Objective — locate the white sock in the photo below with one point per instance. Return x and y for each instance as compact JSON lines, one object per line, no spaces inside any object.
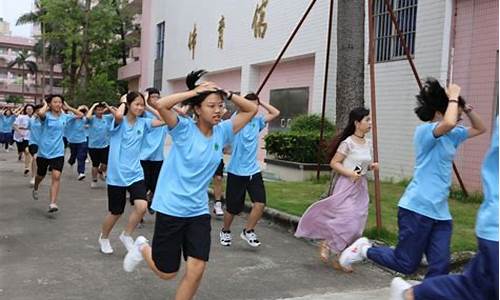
{"x":364,"y":250}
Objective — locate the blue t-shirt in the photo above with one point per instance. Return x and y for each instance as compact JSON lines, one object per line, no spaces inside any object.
{"x":7,"y":122}
{"x":35,"y":127}
{"x":189,"y":168}
{"x":51,"y":143}
{"x":124,"y":166}
{"x":99,"y":131}
{"x":245,"y":148}
{"x":154,"y":141}
{"x":76,"y":131}
{"x":487,"y":218}
{"x":427,"y":193}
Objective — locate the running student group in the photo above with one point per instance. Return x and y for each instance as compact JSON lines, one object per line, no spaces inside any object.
{"x":126,"y":146}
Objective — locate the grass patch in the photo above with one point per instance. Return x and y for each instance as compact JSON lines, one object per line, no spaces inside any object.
{"x":295,"y":197}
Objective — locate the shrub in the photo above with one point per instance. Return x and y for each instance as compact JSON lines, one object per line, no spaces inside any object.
{"x":295,"y":146}
{"x":300,"y":143}
{"x":311,"y":123}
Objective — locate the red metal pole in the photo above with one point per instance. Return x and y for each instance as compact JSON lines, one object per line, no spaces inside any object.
{"x":325,"y":86}
{"x":371,"y":61}
{"x":286,"y":46}
{"x":417,"y":78}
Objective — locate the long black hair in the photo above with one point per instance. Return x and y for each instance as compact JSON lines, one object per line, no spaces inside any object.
{"x":26,"y":106}
{"x":433,"y":98}
{"x":131,"y":96}
{"x":191,"y":80}
{"x":356,"y":114}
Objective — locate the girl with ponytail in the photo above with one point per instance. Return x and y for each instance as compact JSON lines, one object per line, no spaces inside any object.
{"x":424,"y":218}
{"x":181,"y":201}
{"x":340,"y":219}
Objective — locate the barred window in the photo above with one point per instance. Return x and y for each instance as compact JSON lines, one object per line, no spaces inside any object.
{"x":160,"y":40}
{"x":387,"y":44}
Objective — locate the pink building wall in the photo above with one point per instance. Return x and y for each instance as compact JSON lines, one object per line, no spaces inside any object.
{"x":296,"y":73}
{"x":474,"y":69}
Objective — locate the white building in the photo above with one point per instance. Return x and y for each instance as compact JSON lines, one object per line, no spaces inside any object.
{"x":296,"y":85}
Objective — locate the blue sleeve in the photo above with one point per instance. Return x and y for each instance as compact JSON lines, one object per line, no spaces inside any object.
{"x":227,"y":131}
{"x":113,"y":127}
{"x":459,"y":134}
{"x":262,"y":122}
{"x":180,"y":131}
{"x":148,"y":124}
{"x":424,"y":136}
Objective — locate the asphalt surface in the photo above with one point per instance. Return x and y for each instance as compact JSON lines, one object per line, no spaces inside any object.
{"x":56,"y":256}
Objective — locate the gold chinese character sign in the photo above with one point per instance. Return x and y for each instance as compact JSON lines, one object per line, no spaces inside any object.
{"x":192,"y":41}
{"x":259,"y":24}
{"x":220,"y":29}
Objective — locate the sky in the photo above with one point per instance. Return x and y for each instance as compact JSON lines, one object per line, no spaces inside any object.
{"x":10,"y":10}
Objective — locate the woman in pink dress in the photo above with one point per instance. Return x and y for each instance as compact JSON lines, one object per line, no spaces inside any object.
{"x":340,"y":219}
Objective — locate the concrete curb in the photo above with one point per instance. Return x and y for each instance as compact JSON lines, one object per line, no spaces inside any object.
{"x":290,"y":222}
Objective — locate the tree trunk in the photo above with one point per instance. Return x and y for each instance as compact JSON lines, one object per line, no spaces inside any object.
{"x":22,"y":80}
{"x":51,"y":75}
{"x":350,"y":59}
{"x":72,"y":72}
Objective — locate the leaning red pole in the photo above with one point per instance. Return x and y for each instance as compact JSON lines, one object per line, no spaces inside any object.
{"x":415,"y":73}
{"x":325,"y":86}
{"x":373,"y":101}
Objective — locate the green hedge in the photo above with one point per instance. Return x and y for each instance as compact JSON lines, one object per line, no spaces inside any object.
{"x":300,"y":144}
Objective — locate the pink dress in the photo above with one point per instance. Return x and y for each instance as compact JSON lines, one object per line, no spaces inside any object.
{"x":341,"y":218}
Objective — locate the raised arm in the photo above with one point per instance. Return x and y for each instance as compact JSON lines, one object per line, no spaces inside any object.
{"x":272,"y":112}
{"x":43,"y":110}
{"x":120,"y":111}
{"x":246,"y":111}
{"x":477,"y":123}
{"x":76,"y":112}
{"x":450,"y":117}
{"x":165,"y":105}
{"x":90,"y":113}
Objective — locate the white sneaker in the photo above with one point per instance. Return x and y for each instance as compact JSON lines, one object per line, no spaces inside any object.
{"x":127,"y":241}
{"x":250,"y":237}
{"x":225,"y":238}
{"x":218,"y":209}
{"x":105,"y":245}
{"x":53,"y":208}
{"x":134,"y":255}
{"x":354,"y":253}
{"x":81,"y":176}
{"x":34,"y":194}
{"x":32,"y":182}
{"x":398,"y":288}
{"x":93,"y":184}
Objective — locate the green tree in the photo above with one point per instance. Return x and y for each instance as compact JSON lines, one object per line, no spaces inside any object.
{"x":26,"y":65}
{"x":93,"y":42}
{"x":15,"y":99}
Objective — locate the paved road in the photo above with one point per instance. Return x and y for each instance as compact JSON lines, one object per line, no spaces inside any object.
{"x":57,"y":257}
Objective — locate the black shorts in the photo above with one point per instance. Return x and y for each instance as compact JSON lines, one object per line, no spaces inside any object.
{"x":151,"y":170}
{"x":220,"y":169}
{"x":33,"y":149}
{"x":117,"y":196}
{"x":176,"y":235}
{"x":99,"y":156}
{"x":236,"y":188}
{"x":42,"y":164}
{"x":21,"y":146}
